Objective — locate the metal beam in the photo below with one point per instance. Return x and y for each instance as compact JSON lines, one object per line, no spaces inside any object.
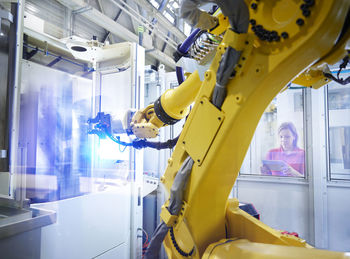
{"x":140,"y":20}
{"x":47,"y":42}
{"x":160,"y":9}
{"x":92,"y":14}
{"x":120,"y":31}
{"x":108,"y":34}
{"x":161,"y":19}
{"x":163,"y":49}
{"x":110,"y":25}
{"x":115,"y":19}
{"x":162,"y":57}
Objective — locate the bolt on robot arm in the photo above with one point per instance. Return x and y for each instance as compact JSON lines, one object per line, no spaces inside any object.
{"x":249,"y":69}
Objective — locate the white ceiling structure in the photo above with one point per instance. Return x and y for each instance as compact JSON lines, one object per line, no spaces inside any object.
{"x":153,"y":23}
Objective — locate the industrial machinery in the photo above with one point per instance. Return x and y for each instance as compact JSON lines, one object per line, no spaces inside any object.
{"x":258,"y":48}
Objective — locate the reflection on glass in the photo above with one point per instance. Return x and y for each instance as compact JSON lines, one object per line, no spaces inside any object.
{"x":277,"y":147}
{"x":288,"y":158}
{"x":60,"y":159}
{"x":53,"y":144}
{"x":339,"y":131}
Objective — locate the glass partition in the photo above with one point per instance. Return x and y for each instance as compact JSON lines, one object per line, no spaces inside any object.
{"x":112,"y":161}
{"x":277,"y":148}
{"x":54,"y":147}
{"x":57,"y":155}
{"x":339,"y":131}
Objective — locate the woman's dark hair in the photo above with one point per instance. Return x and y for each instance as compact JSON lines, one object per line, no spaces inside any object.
{"x":290,"y":126}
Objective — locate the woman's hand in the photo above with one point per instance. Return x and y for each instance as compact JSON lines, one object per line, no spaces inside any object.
{"x":290,"y":171}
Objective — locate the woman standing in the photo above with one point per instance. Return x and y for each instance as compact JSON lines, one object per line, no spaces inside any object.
{"x":288,"y":159}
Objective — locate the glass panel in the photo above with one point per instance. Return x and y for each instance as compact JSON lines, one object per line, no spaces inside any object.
{"x":112,"y":159}
{"x":54,"y":146}
{"x":339,"y":131}
{"x":60,"y":159}
{"x":277,"y":148}
{"x":152,"y":157}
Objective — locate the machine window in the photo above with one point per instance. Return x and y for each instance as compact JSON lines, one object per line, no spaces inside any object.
{"x":277,"y":147}
{"x":339,"y":131}
{"x":56,"y":152}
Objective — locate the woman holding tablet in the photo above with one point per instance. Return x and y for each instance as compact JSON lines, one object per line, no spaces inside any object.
{"x":288,"y":159}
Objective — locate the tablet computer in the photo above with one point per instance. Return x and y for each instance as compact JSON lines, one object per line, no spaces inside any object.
{"x":275,"y":165}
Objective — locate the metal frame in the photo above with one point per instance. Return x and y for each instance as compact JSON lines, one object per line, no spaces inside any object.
{"x":306,"y":130}
{"x":161,"y":19}
{"x":17,"y":179}
{"x":292,"y":180}
{"x":315,"y":147}
{"x":329,"y":172}
{"x":309,"y":165}
{"x":318,"y":181}
{"x":151,"y":27}
{"x":136,"y":156}
{"x":110,"y":25}
{"x":326,"y":111}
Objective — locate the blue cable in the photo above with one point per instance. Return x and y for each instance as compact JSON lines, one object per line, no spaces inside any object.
{"x":341,"y":72}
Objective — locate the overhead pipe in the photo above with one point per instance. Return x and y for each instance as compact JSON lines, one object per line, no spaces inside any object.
{"x":161,"y":19}
{"x":144,"y":22}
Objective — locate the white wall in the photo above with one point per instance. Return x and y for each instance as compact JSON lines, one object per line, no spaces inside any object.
{"x":338,"y":217}
{"x":281,"y":205}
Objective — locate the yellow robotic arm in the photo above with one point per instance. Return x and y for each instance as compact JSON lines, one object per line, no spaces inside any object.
{"x":285,"y":39}
{"x":171,"y":107}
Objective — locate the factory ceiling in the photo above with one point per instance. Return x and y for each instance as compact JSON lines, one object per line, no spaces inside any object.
{"x":154,"y":24}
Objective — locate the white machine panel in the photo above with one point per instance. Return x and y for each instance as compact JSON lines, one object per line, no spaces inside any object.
{"x":338,"y":218}
{"x":88,"y":226}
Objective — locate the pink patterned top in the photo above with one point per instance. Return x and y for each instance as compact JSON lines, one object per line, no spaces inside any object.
{"x":295,"y":159}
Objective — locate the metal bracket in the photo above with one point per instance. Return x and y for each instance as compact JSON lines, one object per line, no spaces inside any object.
{"x":169,"y":220}
{"x":31,"y":54}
